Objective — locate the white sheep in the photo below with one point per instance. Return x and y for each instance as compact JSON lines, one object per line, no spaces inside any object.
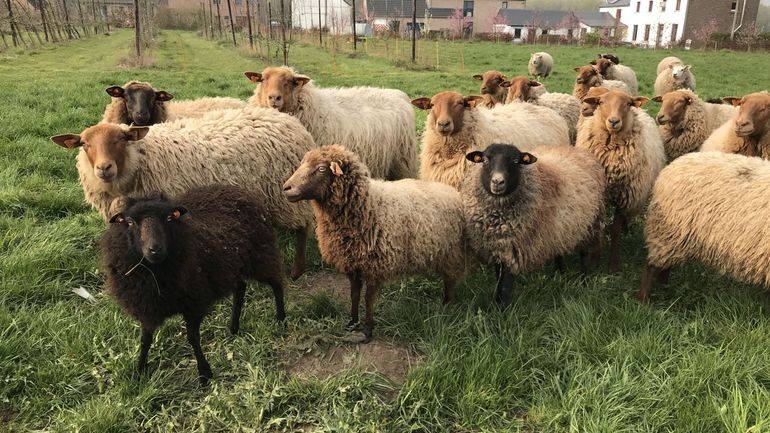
{"x":686,"y":121}
{"x":540,"y":64}
{"x":524,"y":209}
{"x":140,"y":104}
{"x":521,"y":88}
{"x":674,"y":78}
{"x":627,"y":143}
{"x":377,"y":124}
{"x":710,"y":207}
{"x":455,"y":126}
{"x":254,"y":148}
{"x":663,"y":64}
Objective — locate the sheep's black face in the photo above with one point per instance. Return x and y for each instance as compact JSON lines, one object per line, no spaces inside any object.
{"x":501,"y":167}
{"x":149,"y":228}
{"x":140,"y":100}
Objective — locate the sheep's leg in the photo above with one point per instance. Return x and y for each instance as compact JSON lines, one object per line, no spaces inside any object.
{"x":615,"y":232}
{"x":559,"y":264}
{"x":648,"y":278}
{"x":449,"y":291}
{"x":372,"y":288}
{"x":300,"y":252}
{"x":280,"y":309}
{"x":194,"y":338}
{"x":238,"y":296}
{"x":145,"y":341}
{"x":663,"y":276}
{"x":355,"y":299}
{"x":591,"y":253}
{"x":504,"y":293}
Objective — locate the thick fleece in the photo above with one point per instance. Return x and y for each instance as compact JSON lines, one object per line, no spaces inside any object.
{"x":612,"y":71}
{"x":540,"y":64}
{"x":749,"y":133}
{"x":568,"y":106}
{"x":588,"y":77}
{"x":663,"y":64}
{"x":674,"y":78}
{"x":557,"y":207}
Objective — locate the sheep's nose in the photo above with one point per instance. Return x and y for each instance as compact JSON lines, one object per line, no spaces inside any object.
{"x":742,"y":123}
{"x":485,"y":89}
{"x":498,"y":181}
{"x":156,"y":249}
{"x":104,"y":168}
{"x":443,"y":124}
{"x":614,"y":121}
{"x":661,"y":119}
{"x":275,"y":97}
{"x":286,"y":187}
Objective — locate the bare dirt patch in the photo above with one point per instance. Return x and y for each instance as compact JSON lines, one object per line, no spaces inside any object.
{"x":388,"y":358}
{"x":334,"y":285}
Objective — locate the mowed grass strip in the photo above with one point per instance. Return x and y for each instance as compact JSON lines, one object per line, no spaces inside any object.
{"x":571,"y":354}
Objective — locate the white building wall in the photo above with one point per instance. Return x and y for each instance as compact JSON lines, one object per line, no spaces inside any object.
{"x":668,"y":18}
{"x":336,"y":12}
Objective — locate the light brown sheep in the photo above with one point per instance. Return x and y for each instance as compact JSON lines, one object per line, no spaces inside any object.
{"x":491,"y":89}
{"x":375,"y":231}
{"x":750,"y":133}
{"x":588,"y":77}
{"x":588,"y":107}
{"x":627,"y":143}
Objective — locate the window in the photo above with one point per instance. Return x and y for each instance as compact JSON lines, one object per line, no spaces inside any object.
{"x":733,"y":6}
{"x":646,"y":33}
{"x":544,"y":32}
{"x":635,"y":34}
{"x":468,"y":8}
{"x":649,"y":9}
{"x":659,"y":35}
{"x":663,"y":6}
{"x":638,"y":6}
{"x":678,"y":4}
{"x":505,"y":5}
{"x":674,"y":28}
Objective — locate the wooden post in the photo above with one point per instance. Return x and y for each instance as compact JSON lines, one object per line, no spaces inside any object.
{"x":106,"y":16}
{"x":283,"y":35}
{"x":414,"y":30}
{"x":205,"y":23}
{"x":259,"y":18}
{"x":137,"y":31}
{"x":353,"y":21}
{"x":320,"y":37}
{"x":232,"y":23}
{"x":248,"y":18}
{"x":219,"y":18}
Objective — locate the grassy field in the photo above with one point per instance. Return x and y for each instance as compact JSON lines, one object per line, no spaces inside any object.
{"x":570,"y":355}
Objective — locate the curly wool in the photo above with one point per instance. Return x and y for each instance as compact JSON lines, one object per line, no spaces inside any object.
{"x":116,"y":111}
{"x":255,"y":148}
{"x":523,"y":125}
{"x":224,"y":239}
{"x":631,"y":160}
{"x":711,"y":207}
{"x":699,"y":121}
{"x":563,"y":191}
{"x":386,"y":230}
{"x":665,"y":82}
{"x":377,"y":124}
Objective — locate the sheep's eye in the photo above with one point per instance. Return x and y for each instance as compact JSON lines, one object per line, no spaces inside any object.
{"x":321,"y":168}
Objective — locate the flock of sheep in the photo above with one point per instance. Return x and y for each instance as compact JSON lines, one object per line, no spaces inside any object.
{"x":517,"y":178}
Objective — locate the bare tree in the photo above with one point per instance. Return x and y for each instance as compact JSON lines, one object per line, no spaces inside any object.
{"x":750,"y":35}
{"x":14,"y":29}
{"x":704,"y":32}
{"x":458,"y":22}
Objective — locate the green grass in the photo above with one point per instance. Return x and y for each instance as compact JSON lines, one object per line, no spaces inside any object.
{"x":571,"y":354}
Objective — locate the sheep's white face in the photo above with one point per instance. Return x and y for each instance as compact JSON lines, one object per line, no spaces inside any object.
{"x":536,"y":59}
{"x":678,"y":72}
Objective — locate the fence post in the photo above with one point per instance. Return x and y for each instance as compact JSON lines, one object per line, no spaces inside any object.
{"x":232,"y":23}
{"x":137,"y":31}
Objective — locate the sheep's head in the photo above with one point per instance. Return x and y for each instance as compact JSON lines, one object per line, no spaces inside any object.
{"x":588,"y":107}
{"x":536,"y":59}
{"x":753,"y":115}
{"x":602,"y":65}
{"x":149,"y":225}
{"x":520,"y":88}
{"x":319,"y":169}
{"x":679,"y":72}
{"x":279,"y":87}
{"x":609,"y":56}
{"x":105,"y":145}
{"x":674,"y":106}
{"x":490,"y":82}
{"x":140,"y":100}
{"x":588,"y":76}
{"x":614,"y":108}
{"x":447,"y":111}
{"x":501,"y":167}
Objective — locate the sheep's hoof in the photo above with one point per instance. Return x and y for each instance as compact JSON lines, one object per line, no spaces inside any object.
{"x":296,"y":273}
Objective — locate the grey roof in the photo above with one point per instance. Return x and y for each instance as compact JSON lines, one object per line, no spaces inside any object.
{"x":391,"y":8}
{"x":552,"y":19}
{"x":615,"y":3}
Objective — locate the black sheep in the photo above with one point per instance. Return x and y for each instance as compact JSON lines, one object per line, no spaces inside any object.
{"x":160,"y":260}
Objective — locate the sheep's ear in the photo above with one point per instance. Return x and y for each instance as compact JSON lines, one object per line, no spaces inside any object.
{"x":732,"y":100}
{"x":162,"y":95}
{"x":472,"y":101}
{"x":686,"y":67}
{"x":506,"y":83}
{"x":593,"y":62}
{"x":640,"y":100}
{"x":476,"y":156}
{"x":593,"y":100}
{"x":136,"y":133}
{"x":301,"y":80}
{"x":671,"y":66}
{"x":116,"y":91}
{"x":533,"y":83}
{"x":68,"y":141}
{"x":118,"y":218}
{"x":478,"y":77}
{"x":422,"y":103}
{"x":526,"y":158}
{"x":336,"y":168}
{"x":657,"y":98}
{"x":176,"y":213}
{"x":576,"y":68}
{"x":254,"y":77}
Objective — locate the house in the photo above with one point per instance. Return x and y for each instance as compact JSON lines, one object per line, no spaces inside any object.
{"x":335,"y":15}
{"x":668,"y":22}
{"x":568,"y":24}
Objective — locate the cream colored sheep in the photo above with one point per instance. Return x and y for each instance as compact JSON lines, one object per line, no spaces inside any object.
{"x":523,"y":89}
{"x":375,"y":231}
{"x":611,"y":71}
{"x":749,"y":134}
{"x":710,"y":207}
{"x":254,"y":148}
{"x":686,"y":121}
{"x":540,"y":64}
{"x":663,"y":64}
{"x":674,"y":78}
{"x":455,"y":127}
{"x":627,"y":143}
{"x":377,"y":124}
